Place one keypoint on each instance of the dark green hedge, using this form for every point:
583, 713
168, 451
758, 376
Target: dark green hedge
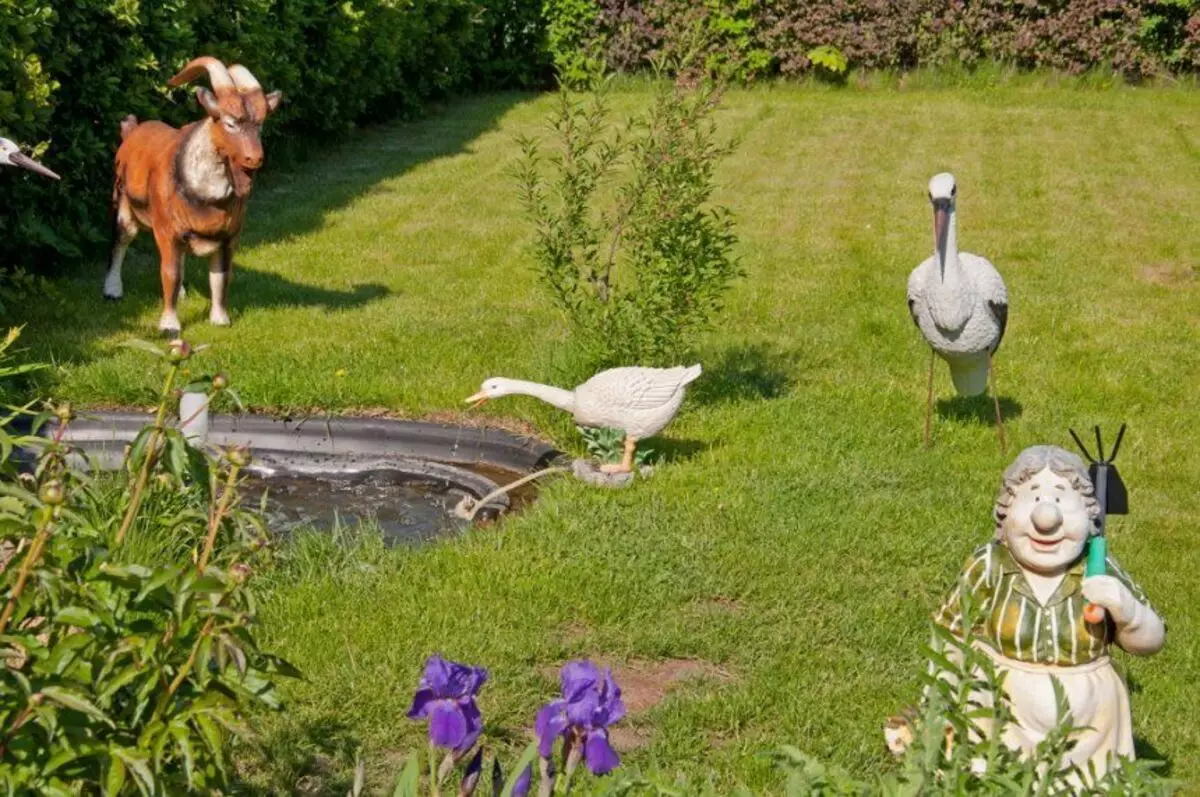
70, 70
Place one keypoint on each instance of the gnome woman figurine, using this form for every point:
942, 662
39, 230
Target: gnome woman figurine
1030, 585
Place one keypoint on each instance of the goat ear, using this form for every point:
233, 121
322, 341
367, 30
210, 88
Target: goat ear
273, 100
208, 102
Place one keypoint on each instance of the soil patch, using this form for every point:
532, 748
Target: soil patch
1166, 274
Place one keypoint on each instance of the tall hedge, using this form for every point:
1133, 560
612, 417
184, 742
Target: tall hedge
773, 37
70, 71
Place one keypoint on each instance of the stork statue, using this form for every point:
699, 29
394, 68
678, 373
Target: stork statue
959, 303
11, 155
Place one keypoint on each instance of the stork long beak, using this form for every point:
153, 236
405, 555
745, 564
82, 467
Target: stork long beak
478, 400
26, 162
941, 224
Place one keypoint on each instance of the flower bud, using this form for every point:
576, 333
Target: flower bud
52, 493
240, 572
239, 456
63, 412
178, 350
164, 480
220, 382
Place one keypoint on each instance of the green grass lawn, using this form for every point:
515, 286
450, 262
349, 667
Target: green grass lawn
799, 535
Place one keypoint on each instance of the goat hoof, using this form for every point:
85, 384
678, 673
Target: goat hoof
111, 298
171, 334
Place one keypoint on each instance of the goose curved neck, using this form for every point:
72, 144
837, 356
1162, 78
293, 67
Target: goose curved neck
556, 396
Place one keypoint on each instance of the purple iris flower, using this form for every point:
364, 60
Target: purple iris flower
591, 702
524, 780
446, 696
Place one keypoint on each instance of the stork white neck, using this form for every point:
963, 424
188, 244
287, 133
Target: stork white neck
556, 396
950, 297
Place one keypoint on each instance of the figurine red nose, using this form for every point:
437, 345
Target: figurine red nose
1046, 518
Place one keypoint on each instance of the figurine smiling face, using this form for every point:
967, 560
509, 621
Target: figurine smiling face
1046, 509
1047, 524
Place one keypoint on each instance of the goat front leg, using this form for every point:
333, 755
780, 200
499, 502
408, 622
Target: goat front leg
124, 230
220, 269
171, 253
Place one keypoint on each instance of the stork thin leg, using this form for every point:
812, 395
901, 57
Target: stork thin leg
996, 401
626, 463
929, 399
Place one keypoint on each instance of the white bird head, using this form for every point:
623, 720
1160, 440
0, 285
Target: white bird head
11, 155
943, 195
942, 187
491, 389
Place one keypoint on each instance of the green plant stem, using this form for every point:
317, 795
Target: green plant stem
135, 500
214, 521
34, 701
434, 786
180, 676
27, 565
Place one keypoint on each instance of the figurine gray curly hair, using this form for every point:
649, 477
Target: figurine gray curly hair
1033, 461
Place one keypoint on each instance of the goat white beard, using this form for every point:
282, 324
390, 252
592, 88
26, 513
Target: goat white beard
204, 171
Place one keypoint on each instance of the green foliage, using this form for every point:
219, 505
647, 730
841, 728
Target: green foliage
69, 72
575, 41
608, 445
829, 58
950, 754
627, 240
127, 621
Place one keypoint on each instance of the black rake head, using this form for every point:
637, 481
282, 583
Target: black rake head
1116, 499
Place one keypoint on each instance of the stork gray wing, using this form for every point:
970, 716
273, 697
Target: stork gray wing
1000, 313
912, 311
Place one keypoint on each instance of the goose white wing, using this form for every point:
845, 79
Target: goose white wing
636, 389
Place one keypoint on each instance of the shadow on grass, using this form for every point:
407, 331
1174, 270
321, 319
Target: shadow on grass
296, 199
1146, 751
668, 449
751, 372
291, 201
310, 757
978, 409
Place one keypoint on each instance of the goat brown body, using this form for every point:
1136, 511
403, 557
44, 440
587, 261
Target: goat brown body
189, 186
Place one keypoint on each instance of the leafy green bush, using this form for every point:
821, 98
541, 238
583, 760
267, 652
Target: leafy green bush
69, 72
127, 619
775, 37
628, 241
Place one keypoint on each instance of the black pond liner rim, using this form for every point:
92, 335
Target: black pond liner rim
420, 450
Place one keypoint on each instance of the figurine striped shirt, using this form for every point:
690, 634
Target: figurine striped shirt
1015, 624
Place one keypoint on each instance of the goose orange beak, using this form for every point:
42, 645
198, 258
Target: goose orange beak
477, 401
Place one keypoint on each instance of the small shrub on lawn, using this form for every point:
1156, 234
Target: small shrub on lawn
627, 240
127, 611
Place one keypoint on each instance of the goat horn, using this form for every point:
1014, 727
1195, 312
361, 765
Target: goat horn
218, 75
242, 78
249, 87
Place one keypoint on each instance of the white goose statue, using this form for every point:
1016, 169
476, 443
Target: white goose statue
638, 401
11, 155
959, 303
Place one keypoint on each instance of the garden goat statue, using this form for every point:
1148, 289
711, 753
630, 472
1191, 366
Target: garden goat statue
189, 186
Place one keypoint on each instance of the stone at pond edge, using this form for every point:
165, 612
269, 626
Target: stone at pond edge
588, 472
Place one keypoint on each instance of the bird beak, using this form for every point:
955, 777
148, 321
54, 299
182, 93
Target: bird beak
26, 162
941, 224
477, 401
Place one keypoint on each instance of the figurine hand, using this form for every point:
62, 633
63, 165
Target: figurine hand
1114, 596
